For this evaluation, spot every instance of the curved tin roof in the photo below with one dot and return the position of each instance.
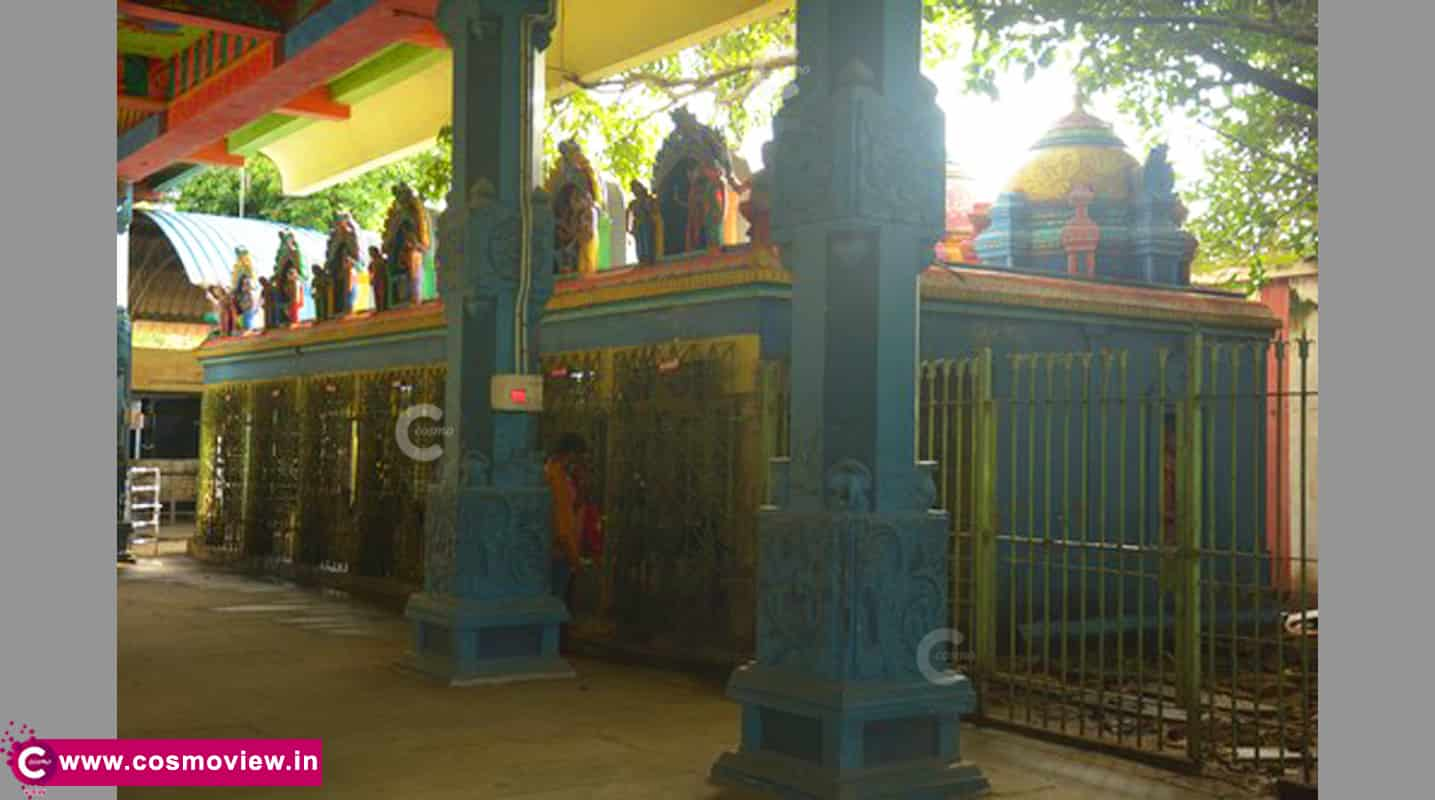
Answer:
(205, 243)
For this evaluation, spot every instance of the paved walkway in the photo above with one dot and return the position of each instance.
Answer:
(204, 654)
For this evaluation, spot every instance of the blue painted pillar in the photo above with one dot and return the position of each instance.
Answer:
(488, 612)
(852, 572)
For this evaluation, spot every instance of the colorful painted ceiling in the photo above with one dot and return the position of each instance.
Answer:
(332, 88)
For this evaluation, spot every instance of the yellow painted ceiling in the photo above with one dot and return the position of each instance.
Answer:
(592, 41)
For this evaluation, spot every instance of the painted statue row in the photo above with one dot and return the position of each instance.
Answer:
(687, 208)
(395, 273)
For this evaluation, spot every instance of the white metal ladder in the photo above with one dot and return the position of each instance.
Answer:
(142, 503)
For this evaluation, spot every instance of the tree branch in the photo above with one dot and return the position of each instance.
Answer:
(1271, 82)
(687, 86)
(1260, 151)
(1309, 37)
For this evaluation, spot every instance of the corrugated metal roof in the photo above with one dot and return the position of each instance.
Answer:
(205, 243)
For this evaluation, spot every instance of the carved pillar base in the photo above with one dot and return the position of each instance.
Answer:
(461, 642)
(838, 702)
(488, 613)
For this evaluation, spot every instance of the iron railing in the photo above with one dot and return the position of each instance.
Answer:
(307, 471)
(1123, 569)
(676, 432)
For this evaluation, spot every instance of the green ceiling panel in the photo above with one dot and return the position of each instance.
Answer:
(154, 39)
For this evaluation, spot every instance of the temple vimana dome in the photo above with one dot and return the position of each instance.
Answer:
(1081, 205)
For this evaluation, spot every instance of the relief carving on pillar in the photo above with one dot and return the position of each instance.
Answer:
(440, 537)
(898, 595)
(862, 153)
(802, 165)
(849, 487)
(900, 154)
(517, 554)
(850, 595)
(795, 595)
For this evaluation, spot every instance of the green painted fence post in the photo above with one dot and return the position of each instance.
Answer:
(984, 517)
(1188, 583)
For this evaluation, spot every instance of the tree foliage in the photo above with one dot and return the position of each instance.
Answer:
(1245, 69)
(367, 197)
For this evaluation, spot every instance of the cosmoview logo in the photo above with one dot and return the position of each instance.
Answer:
(32, 762)
(403, 430)
(36, 762)
(927, 665)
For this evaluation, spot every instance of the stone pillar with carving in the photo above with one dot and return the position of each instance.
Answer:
(842, 699)
(488, 610)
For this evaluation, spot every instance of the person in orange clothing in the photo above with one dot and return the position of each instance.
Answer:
(563, 473)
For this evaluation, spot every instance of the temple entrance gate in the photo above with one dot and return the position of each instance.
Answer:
(1113, 575)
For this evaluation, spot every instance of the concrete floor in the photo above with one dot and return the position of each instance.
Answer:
(204, 654)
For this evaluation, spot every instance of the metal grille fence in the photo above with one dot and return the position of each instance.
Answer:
(1123, 568)
(308, 471)
(1132, 545)
(675, 431)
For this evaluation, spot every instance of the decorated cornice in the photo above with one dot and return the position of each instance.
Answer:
(363, 325)
(723, 273)
(757, 265)
(156, 335)
(990, 287)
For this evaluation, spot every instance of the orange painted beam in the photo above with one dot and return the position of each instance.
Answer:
(429, 36)
(316, 104)
(262, 82)
(142, 11)
(216, 155)
(146, 105)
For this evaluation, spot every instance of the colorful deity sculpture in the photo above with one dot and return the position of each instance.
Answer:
(225, 314)
(706, 196)
(406, 239)
(273, 300)
(322, 287)
(289, 278)
(757, 207)
(341, 264)
(573, 187)
(378, 279)
(645, 223)
(246, 292)
(691, 179)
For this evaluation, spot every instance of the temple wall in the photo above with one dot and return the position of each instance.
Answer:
(676, 378)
